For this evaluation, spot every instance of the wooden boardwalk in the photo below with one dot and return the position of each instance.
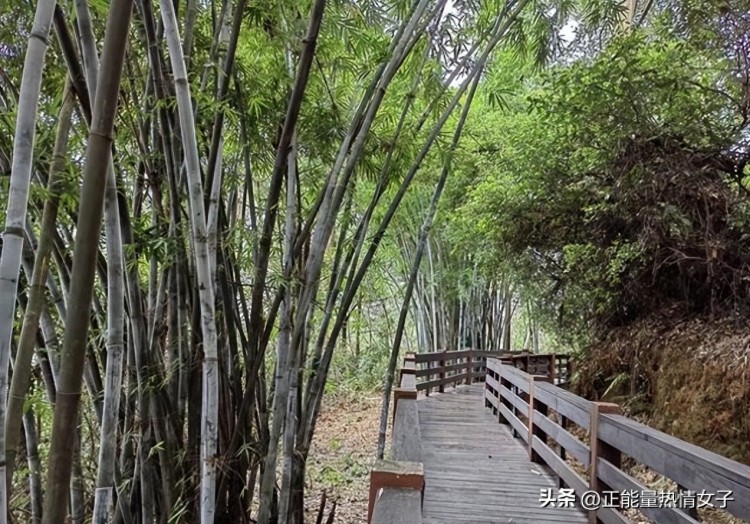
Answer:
(453, 461)
(475, 471)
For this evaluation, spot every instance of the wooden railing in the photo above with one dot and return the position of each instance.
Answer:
(397, 485)
(452, 368)
(557, 366)
(543, 415)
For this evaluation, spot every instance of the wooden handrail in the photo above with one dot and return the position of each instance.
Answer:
(539, 413)
(397, 485)
(467, 366)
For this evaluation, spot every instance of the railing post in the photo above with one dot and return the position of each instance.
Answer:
(428, 365)
(600, 449)
(535, 406)
(469, 369)
(503, 382)
(553, 369)
(487, 403)
(564, 425)
(514, 410)
(456, 373)
(388, 474)
(441, 376)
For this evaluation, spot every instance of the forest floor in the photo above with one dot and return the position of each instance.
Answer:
(342, 453)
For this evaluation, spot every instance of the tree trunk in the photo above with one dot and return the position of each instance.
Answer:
(115, 299)
(417, 263)
(507, 317)
(36, 300)
(35, 468)
(206, 294)
(18, 198)
(84, 261)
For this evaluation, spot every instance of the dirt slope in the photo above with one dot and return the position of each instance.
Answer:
(689, 377)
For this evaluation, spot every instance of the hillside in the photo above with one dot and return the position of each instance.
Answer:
(689, 377)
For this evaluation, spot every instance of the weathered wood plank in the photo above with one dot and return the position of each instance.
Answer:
(516, 377)
(427, 372)
(492, 399)
(392, 474)
(408, 382)
(494, 365)
(437, 356)
(573, 407)
(690, 466)
(521, 428)
(406, 442)
(563, 437)
(619, 481)
(398, 506)
(491, 383)
(559, 466)
(520, 404)
(475, 471)
(441, 382)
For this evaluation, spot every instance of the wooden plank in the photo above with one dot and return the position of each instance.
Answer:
(421, 358)
(690, 466)
(494, 365)
(519, 426)
(563, 437)
(492, 384)
(559, 466)
(426, 372)
(566, 403)
(516, 377)
(619, 481)
(601, 449)
(535, 407)
(488, 354)
(492, 399)
(519, 403)
(398, 506)
(408, 382)
(475, 471)
(406, 442)
(440, 382)
(391, 474)
(425, 358)
(539, 365)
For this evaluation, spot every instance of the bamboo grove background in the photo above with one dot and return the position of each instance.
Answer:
(208, 203)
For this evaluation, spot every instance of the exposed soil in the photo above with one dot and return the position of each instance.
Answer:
(689, 377)
(342, 453)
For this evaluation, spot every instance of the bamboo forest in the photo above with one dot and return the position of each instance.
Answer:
(232, 228)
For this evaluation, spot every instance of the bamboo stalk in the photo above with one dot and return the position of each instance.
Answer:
(84, 260)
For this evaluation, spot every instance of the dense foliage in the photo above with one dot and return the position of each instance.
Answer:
(615, 184)
(276, 179)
